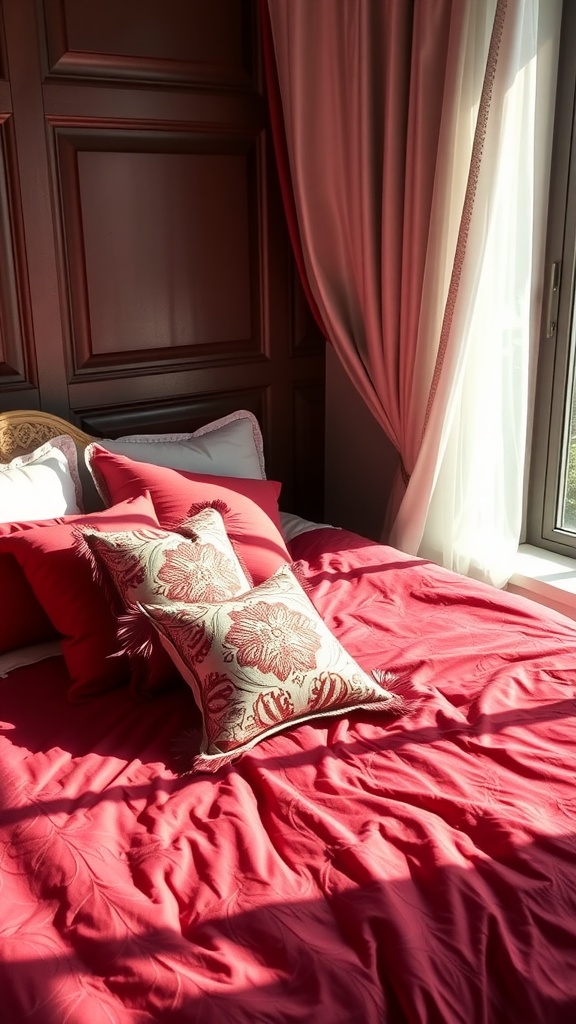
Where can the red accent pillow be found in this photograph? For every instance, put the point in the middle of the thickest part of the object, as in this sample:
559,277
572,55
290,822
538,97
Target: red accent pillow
61,576
249,507
23,621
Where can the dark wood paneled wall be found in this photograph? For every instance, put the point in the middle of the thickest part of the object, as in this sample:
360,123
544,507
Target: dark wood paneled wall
146,275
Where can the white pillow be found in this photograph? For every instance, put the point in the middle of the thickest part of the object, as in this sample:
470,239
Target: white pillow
43,484
293,525
28,656
230,446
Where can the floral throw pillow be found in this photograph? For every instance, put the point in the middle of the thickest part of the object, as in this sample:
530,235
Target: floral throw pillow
259,663
198,563
160,567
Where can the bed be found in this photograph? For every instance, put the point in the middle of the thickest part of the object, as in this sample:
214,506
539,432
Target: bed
405,854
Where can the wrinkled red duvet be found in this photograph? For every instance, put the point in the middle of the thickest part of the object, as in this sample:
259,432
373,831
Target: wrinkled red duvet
419,870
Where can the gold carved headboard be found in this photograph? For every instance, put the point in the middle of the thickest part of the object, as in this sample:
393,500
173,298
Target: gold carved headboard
23,430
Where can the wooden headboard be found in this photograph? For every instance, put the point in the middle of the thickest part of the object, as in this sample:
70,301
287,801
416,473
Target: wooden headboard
23,430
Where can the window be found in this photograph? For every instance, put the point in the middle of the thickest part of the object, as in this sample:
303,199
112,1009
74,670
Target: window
551,520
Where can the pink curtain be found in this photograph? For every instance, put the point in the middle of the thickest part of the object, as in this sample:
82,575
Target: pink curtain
417,164
365,86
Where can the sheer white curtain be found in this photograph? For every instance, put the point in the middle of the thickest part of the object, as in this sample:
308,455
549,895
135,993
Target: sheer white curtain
463,502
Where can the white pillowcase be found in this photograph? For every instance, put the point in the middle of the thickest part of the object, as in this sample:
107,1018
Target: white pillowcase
41,485
230,446
28,656
293,525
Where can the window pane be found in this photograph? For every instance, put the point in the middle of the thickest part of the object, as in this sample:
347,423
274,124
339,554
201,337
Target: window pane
567,507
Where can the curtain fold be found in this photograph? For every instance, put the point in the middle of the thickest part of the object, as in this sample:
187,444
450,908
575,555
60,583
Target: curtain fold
410,141
344,71
282,159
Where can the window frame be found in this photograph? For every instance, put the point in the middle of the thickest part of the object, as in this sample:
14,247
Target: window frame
554,373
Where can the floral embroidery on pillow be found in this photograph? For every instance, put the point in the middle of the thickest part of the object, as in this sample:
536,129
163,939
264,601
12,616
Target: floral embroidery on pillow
260,662
273,638
159,566
198,572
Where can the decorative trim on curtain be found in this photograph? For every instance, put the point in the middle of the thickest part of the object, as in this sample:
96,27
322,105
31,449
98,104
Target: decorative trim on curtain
468,206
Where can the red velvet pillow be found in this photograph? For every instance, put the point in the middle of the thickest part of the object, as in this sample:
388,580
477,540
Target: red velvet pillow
61,576
248,507
22,620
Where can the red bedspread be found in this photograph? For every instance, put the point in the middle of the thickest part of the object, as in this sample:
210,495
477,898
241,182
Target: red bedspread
364,871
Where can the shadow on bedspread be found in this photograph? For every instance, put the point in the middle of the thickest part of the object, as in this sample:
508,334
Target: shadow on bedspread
439,948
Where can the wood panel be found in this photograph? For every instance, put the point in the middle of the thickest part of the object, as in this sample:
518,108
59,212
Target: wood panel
151,242
306,339
17,365
199,42
161,262
31,202
179,415
3,64
308,449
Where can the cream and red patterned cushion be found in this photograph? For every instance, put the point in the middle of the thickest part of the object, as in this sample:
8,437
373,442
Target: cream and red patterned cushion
261,662
156,566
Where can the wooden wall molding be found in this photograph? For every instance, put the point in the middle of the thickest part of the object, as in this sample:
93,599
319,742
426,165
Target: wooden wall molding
96,43
142,214
177,415
109,105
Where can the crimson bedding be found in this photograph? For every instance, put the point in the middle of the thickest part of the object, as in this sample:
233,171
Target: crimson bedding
357,868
